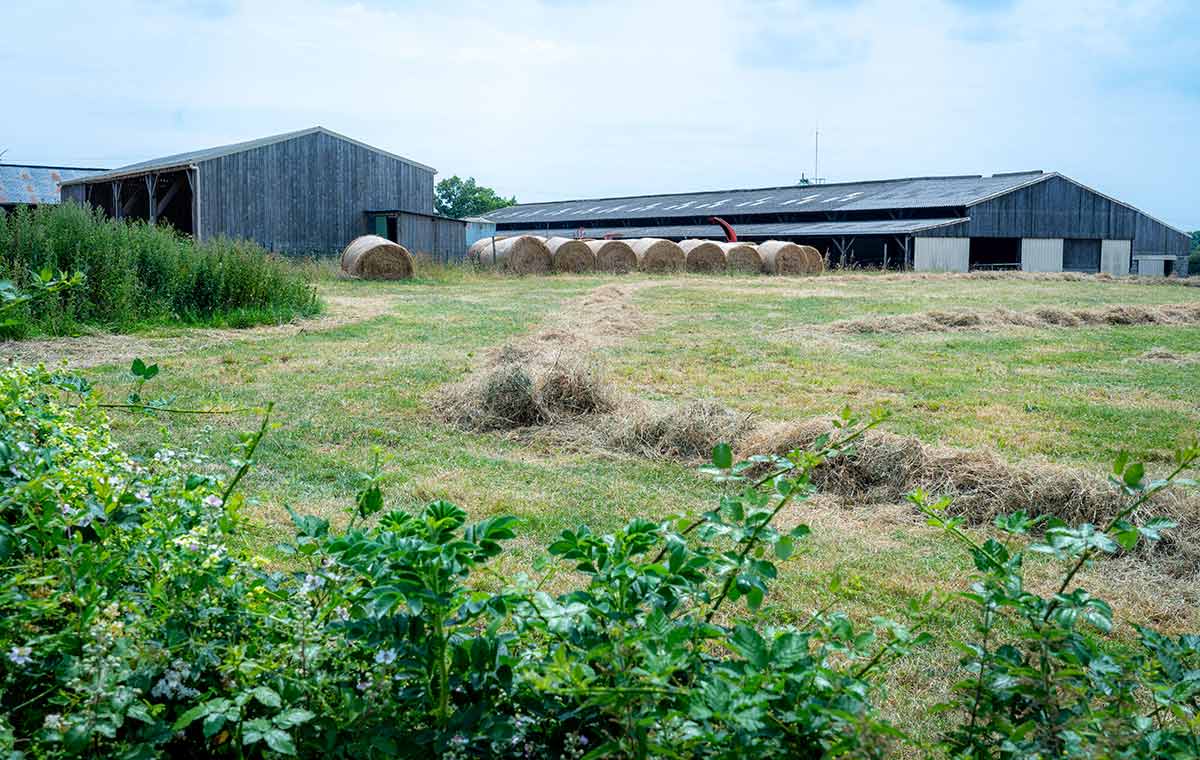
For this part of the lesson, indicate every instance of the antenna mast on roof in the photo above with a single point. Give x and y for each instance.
(816, 178)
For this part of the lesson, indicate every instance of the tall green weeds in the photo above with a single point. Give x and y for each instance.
(136, 274)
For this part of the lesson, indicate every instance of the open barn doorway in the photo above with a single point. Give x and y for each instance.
(995, 253)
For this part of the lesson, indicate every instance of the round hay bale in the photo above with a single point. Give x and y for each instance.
(658, 255)
(742, 257)
(784, 258)
(480, 251)
(571, 255)
(703, 256)
(613, 256)
(371, 257)
(816, 262)
(523, 254)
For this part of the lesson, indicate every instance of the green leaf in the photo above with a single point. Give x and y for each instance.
(280, 742)
(138, 368)
(1134, 474)
(722, 456)
(784, 547)
(267, 696)
(183, 721)
(295, 716)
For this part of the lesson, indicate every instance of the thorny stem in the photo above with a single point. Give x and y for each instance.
(171, 410)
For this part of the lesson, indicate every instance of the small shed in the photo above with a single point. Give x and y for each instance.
(478, 227)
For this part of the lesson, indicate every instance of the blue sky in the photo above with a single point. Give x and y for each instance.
(570, 98)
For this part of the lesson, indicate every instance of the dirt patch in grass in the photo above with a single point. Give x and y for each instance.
(884, 467)
(105, 348)
(938, 320)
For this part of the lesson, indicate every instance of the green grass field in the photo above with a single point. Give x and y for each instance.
(343, 387)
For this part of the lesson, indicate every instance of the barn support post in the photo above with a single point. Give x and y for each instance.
(151, 181)
(116, 198)
(169, 196)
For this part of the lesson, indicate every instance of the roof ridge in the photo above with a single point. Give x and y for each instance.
(782, 187)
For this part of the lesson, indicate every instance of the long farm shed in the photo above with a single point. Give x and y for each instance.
(1036, 221)
(305, 192)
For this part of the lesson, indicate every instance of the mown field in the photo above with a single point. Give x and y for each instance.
(363, 378)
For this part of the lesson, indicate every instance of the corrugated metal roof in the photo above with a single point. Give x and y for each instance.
(20, 183)
(915, 192)
(784, 229)
(195, 156)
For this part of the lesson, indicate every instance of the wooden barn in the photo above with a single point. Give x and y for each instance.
(1033, 221)
(305, 193)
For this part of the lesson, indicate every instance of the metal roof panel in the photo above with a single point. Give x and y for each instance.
(913, 192)
(783, 229)
(206, 154)
(21, 183)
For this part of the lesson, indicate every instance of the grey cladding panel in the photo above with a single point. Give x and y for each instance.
(304, 195)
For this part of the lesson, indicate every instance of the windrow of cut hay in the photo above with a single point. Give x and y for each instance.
(371, 257)
(703, 256)
(938, 320)
(885, 467)
(742, 257)
(570, 255)
(518, 388)
(658, 255)
(613, 256)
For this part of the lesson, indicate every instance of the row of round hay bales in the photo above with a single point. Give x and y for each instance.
(530, 254)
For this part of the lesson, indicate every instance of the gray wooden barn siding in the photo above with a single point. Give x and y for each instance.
(306, 195)
(1059, 208)
(442, 239)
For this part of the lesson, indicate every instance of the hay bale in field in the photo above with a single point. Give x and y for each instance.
(815, 263)
(523, 254)
(571, 255)
(686, 432)
(784, 258)
(742, 257)
(480, 251)
(613, 256)
(703, 256)
(371, 257)
(658, 255)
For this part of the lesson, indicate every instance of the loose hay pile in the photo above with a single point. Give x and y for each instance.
(742, 257)
(703, 256)
(885, 467)
(686, 432)
(1041, 317)
(657, 255)
(371, 257)
(571, 255)
(520, 389)
(613, 256)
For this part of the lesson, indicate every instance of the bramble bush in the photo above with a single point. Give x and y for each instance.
(134, 273)
(136, 621)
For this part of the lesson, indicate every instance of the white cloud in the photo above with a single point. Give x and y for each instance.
(576, 99)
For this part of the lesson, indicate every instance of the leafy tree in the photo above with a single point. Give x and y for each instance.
(456, 197)
(1194, 258)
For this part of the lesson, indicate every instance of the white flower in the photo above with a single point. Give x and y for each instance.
(67, 510)
(385, 656)
(20, 655)
(143, 495)
(311, 583)
(25, 447)
(212, 500)
(364, 684)
(341, 613)
(53, 721)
